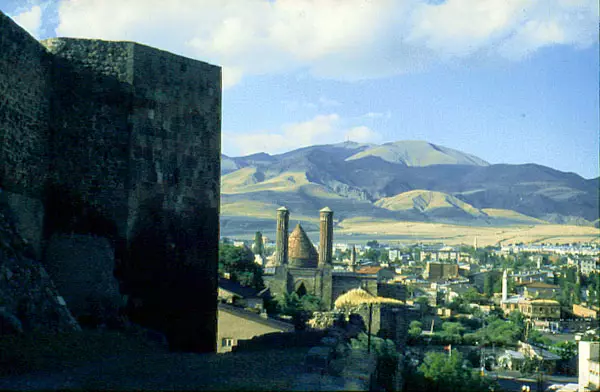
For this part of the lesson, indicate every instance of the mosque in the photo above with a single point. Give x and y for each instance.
(299, 268)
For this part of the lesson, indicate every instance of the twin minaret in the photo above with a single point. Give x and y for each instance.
(281, 240)
(325, 242)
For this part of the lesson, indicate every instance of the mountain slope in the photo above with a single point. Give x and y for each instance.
(419, 153)
(359, 180)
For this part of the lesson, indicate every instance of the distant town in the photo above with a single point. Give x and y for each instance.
(522, 315)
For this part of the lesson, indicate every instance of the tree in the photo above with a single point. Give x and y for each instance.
(452, 332)
(384, 256)
(488, 285)
(445, 372)
(472, 296)
(299, 307)
(372, 254)
(239, 263)
(258, 247)
(415, 328)
(373, 244)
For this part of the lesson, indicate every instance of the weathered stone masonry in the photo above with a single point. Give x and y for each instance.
(121, 141)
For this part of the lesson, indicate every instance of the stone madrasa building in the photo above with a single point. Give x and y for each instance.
(110, 168)
(301, 269)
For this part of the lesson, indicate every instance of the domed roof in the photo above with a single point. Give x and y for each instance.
(301, 252)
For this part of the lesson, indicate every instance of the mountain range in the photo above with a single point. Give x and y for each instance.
(405, 181)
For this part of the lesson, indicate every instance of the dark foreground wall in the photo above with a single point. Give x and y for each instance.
(120, 141)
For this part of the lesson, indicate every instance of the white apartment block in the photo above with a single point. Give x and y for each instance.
(589, 366)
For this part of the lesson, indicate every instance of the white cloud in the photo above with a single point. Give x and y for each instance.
(322, 129)
(30, 20)
(363, 134)
(344, 40)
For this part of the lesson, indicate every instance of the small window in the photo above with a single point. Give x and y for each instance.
(227, 342)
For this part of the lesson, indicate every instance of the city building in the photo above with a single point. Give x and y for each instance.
(540, 309)
(235, 324)
(585, 312)
(298, 268)
(538, 290)
(589, 366)
(440, 271)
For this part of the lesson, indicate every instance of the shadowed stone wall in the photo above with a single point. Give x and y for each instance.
(121, 141)
(25, 80)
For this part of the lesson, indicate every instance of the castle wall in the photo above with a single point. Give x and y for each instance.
(91, 103)
(174, 192)
(81, 267)
(120, 142)
(342, 283)
(25, 70)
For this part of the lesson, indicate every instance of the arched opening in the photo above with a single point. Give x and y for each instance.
(301, 291)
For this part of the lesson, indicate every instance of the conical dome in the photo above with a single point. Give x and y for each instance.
(301, 252)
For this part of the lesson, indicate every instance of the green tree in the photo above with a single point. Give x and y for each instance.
(415, 328)
(258, 248)
(384, 256)
(372, 254)
(497, 331)
(452, 332)
(488, 285)
(300, 308)
(373, 244)
(472, 296)
(566, 350)
(239, 263)
(445, 372)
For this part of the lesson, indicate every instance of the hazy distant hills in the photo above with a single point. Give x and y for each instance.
(405, 180)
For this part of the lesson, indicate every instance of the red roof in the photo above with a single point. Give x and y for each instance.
(369, 270)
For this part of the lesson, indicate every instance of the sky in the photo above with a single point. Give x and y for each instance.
(510, 81)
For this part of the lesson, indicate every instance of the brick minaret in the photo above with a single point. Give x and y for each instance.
(281, 241)
(326, 237)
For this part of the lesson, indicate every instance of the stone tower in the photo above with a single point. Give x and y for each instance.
(120, 144)
(281, 240)
(353, 259)
(326, 236)
(505, 286)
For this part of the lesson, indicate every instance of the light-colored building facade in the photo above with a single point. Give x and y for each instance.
(585, 312)
(540, 309)
(589, 366)
(235, 324)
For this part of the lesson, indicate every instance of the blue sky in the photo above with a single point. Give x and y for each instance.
(511, 81)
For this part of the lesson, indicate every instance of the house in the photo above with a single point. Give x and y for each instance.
(235, 294)
(547, 359)
(235, 324)
(538, 290)
(383, 274)
(511, 360)
(440, 271)
(540, 308)
(585, 312)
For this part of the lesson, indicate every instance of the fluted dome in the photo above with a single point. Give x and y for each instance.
(301, 252)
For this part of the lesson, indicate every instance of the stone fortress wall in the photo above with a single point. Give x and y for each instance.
(117, 141)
